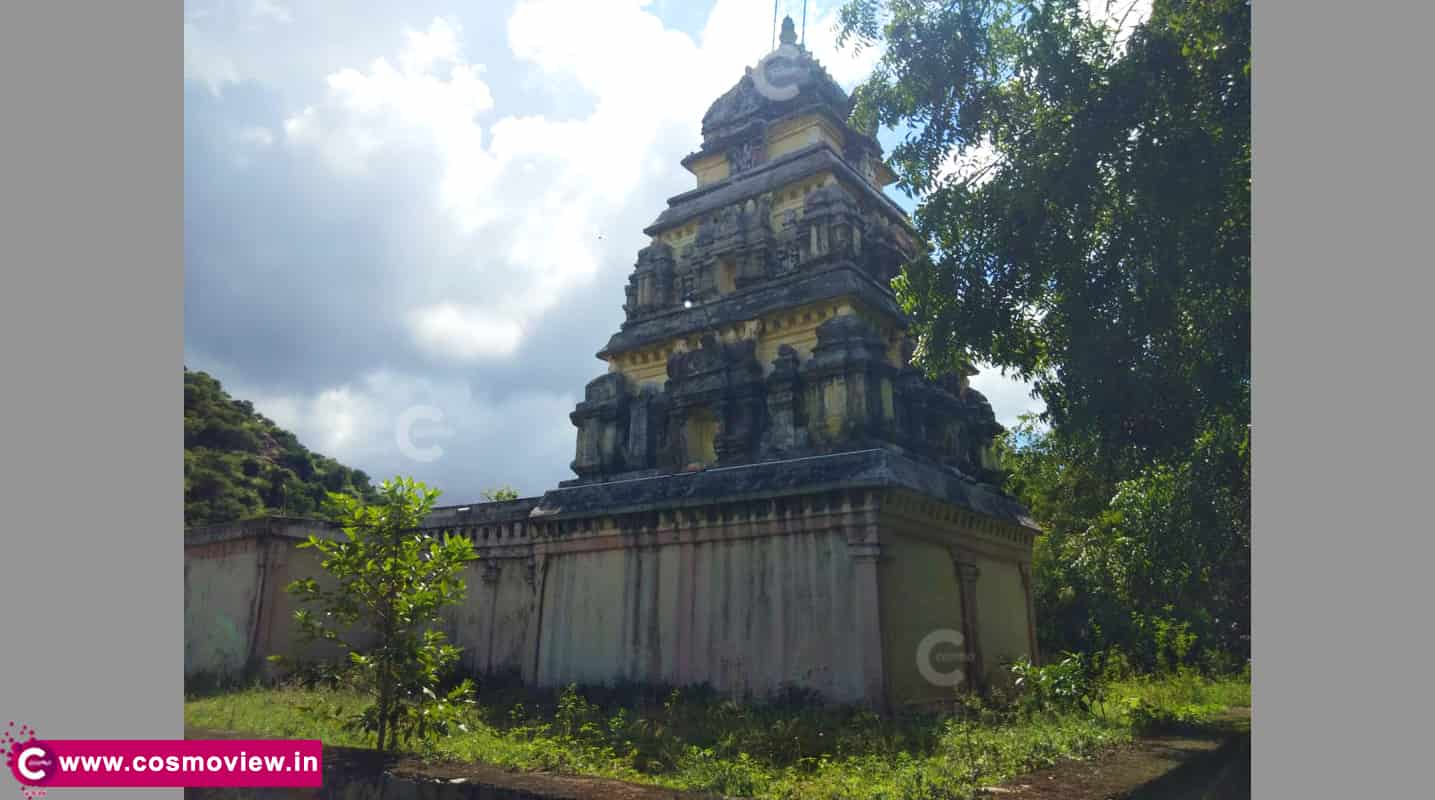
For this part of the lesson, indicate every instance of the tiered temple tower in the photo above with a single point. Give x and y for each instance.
(768, 494)
(760, 320)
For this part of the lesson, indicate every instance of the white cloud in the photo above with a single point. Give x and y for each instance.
(271, 9)
(455, 432)
(341, 418)
(284, 410)
(1010, 397)
(256, 136)
(247, 143)
(465, 333)
(204, 62)
(430, 100)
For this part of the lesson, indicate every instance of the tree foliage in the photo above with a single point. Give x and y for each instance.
(239, 464)
(1105, 252)
(1086, 198)
(390, 581)
(1134, 562)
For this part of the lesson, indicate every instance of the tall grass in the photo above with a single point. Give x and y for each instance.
(691, 739)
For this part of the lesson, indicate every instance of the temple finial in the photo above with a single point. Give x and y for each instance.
(789, 32)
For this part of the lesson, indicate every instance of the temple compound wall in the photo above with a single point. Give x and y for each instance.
(236, 609)
(768, 491)
(826, 573)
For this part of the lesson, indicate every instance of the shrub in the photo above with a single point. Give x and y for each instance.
(392, 579)
(1147, 717)
(1068, 684)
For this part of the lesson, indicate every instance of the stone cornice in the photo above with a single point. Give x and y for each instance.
(835, 472)
(840, 278)
(767, 177)
(275, 527)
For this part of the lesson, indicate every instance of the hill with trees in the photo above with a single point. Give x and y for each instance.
(239, 464)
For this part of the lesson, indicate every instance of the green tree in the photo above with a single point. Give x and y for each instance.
(391, 580)
(1168, 546)
(1093, 238)
(1104, 253)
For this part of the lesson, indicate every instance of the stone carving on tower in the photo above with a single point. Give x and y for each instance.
(759, 321)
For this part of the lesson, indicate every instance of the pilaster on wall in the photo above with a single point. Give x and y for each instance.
(1003, 625)
(967, 573)
(1027, 586)
(537, 574)
(261, 612)
(864, 545)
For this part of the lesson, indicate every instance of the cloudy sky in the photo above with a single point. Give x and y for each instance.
(408, 225)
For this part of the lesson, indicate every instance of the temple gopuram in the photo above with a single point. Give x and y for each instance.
(767, 493)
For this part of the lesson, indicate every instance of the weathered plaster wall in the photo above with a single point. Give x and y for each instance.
(920, 598)
(1002, 599)
(220, 593)
(929, 550)
(746, 615)
(279, 634)
(834, 592)
(236, 610)
(492, 623)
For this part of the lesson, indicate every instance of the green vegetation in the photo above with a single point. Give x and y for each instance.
(1153, 567)
(499, 495)
(690, 739)
(391, 580)
(1103, 253)
(239, 464)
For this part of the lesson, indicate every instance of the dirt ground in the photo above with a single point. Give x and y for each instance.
(544, 785)
(1207, 765)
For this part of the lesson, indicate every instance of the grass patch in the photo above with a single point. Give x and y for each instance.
(691, 739)
(280, 713)
(1186, 689)
(1173, 703)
